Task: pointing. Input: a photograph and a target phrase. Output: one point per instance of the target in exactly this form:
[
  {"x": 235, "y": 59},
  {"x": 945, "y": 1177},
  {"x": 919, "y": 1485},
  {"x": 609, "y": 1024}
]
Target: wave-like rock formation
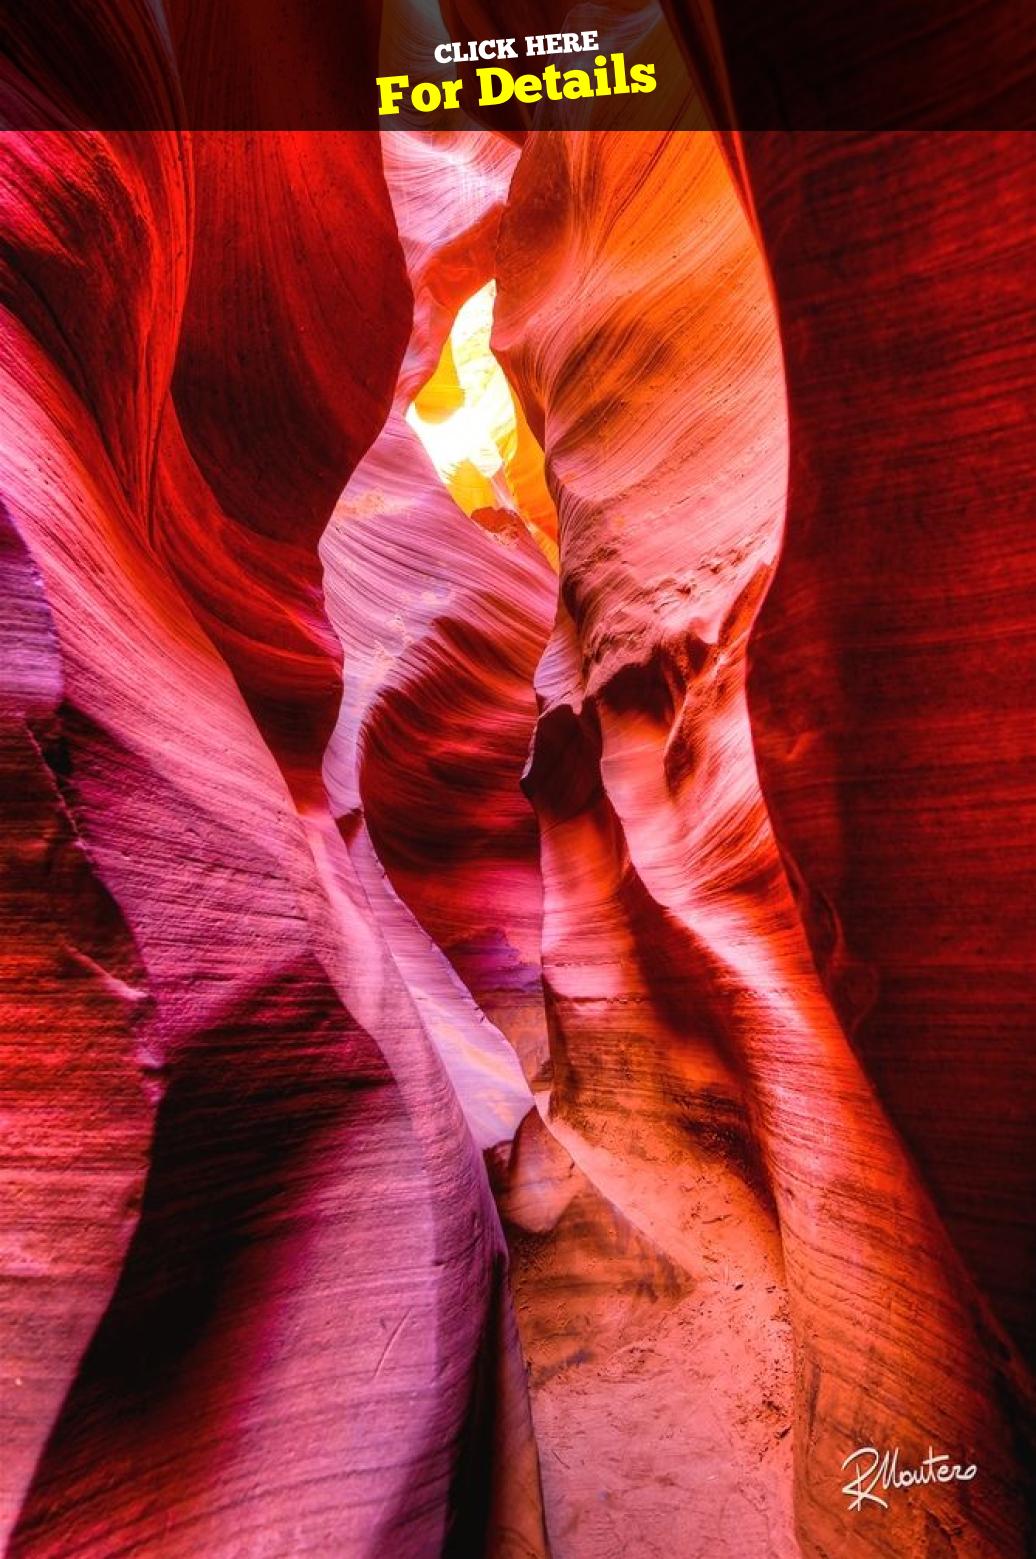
[
  {"x": 891, "y": 685},
  {"x": 659, "y": 858},
  {"x": 517, "y": 804},
  {"x": 205, "y": 1168}
]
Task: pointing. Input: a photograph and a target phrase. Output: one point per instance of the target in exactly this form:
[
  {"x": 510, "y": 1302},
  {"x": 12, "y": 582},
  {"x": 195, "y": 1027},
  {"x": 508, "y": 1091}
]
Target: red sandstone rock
[
  {"x": 289, "y": 949},
  {"x": 237, "y": 986},
  {"x": 893, "y": 671},
  {"x": 683, "y": 996}
]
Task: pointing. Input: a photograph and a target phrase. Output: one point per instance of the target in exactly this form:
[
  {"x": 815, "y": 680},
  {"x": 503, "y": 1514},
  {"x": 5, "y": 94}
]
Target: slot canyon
[{"x": 518, "y": 829}]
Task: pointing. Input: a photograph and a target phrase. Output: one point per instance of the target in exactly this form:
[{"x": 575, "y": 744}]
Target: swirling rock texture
[
  {"x": 514, "y": 898},
  {"x": 653, "y": 825},
  {"x": 188, "y": 1293}
]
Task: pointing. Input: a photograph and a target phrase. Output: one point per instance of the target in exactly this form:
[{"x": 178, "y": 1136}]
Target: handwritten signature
[{"x": 874, "y": 1469}]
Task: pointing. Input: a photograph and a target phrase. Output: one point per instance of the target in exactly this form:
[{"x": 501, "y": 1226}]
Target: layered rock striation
[{"x": 516, "y": 824}]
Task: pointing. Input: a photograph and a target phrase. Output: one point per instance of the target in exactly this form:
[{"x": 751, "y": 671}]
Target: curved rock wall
[
  {"x": 892, "y": 664},
  {"x": 516, "y": 1030},
  {"x": 258, "y": 1094},
  {"x": 683, "y": 998}
]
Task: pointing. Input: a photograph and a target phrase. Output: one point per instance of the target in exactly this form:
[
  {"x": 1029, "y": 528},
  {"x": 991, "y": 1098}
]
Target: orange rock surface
[{"x": 516, "y": 783}]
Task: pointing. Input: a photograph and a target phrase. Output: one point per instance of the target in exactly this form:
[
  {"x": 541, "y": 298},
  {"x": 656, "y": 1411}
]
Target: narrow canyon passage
[
  {"x": 487, "y": 1131},
  {"x": 675, "y": 1225},
  {"x": 645, "y": 1260}
]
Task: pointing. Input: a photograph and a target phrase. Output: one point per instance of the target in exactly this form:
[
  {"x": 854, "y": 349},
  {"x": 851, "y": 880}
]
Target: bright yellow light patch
[{"x": 474, "y": 433}]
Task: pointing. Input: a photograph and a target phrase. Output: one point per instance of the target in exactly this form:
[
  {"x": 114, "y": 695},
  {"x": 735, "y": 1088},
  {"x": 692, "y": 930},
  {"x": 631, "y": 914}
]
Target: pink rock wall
[{"x": 239, "y": 1135}]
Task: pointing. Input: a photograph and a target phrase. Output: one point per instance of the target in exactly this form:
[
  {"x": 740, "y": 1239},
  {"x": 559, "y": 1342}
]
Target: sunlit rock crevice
[{"x": 513, "y": 911}]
